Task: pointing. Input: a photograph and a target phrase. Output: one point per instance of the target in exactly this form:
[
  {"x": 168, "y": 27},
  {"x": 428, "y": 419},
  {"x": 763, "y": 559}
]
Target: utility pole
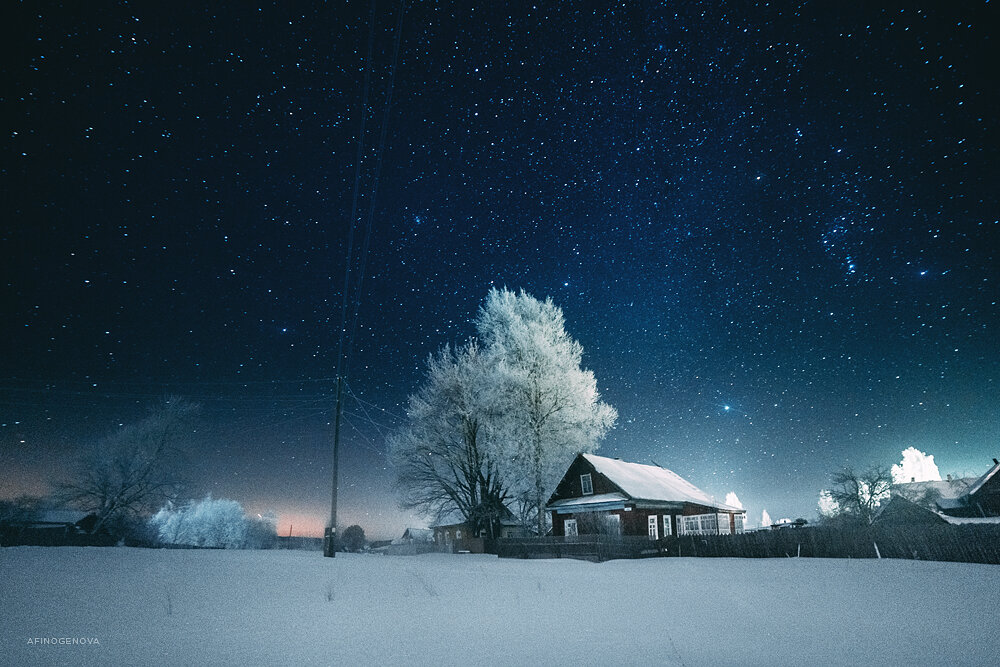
[{"x": 330, "y": 534}]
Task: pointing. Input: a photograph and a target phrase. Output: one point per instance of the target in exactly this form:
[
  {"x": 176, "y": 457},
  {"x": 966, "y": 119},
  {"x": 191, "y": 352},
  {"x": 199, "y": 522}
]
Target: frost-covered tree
[
  {"x": 916, "y": 466},
  {"x": 133, "y": 471},
  {"x": 549, "y": 407},
  {"x": 858, "y": 495},
  {"x": 205, "y": 523},
  {"x": 733, "y": 500},
  {"x": 765, "y": 519},
  {"x": 442, "y": 458},
  {"x": 828, "y": 507},
  {"x": 494, "y": 425}
]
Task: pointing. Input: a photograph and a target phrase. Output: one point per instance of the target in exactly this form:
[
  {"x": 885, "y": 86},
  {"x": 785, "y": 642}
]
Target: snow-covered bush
[{"x": 205, "y": 523}]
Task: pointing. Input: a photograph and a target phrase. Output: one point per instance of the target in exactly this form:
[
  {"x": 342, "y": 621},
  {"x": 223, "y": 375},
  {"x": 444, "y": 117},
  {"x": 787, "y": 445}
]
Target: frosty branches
[
  {"x": 442, "y": 460},
  {"x": 211, "y": 523},
  {"x": 916, "y": 466},
  {"x": 131, "y": 472},
  {"x": 550, "y": 407},
  {"x": 857, "y": 495},
  {"x": 497, "y": 424}
]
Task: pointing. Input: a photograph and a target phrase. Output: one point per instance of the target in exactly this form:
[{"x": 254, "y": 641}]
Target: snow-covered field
[{"x": 172, "y": 607}]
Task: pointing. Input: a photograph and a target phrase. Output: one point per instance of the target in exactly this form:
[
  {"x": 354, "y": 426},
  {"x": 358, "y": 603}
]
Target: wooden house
[
  {"x": 968, "y": 497},
  {"x": 982, "y": 499},
  {"x": 452, "y": 533},
  {"x": 610, "y": 496}
]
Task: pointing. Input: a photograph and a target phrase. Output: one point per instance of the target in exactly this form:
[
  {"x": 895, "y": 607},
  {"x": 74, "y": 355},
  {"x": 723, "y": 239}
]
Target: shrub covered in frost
[{"x": 207, "y": 523}]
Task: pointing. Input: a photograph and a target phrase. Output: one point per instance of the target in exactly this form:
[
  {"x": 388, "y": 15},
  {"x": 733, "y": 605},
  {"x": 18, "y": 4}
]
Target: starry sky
[{"x": 773, "y": 227}]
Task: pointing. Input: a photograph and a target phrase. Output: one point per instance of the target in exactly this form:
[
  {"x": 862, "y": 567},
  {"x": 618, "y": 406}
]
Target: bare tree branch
[{"x": 133, "y": 471}]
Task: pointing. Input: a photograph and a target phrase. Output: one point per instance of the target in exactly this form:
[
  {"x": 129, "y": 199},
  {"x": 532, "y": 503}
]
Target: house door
[
  {"x": 569, "y": 528},
  {"x": 654, "y": 527},
  {"x": 613, "y": 524}
]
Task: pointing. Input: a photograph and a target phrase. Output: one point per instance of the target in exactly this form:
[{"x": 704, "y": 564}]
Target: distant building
[
  {"x": 413, "y": 541},
  {"x": 610, "y": 496},
  {"x": 453, "y": 533},
  {"x": 54, "y": 527},
  {"x": 968, "y": 497}
]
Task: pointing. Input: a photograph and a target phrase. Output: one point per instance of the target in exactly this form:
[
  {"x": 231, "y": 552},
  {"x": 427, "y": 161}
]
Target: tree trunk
[{"x": 539, "y": 483}]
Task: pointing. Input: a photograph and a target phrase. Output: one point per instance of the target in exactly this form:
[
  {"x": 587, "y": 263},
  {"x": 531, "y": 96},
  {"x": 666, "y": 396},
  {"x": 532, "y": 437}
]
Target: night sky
[{"x": 773, "y": 227}]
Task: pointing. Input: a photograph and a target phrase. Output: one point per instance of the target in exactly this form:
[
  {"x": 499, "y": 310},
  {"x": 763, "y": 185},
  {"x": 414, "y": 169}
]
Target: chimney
[
  {"x": 949, "y": 477},
  {"x": 996, "y": 463},
  {"x": 913, "y": 479}
]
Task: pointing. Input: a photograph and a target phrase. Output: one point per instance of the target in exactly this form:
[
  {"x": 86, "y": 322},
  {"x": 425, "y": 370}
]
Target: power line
[
  {"x": 379, "y": 153},
  {"x": 344, "y": 354}
]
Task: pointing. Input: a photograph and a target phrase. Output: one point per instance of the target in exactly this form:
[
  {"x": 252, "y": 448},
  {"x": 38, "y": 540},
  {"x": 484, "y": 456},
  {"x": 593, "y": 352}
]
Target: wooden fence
[
  {"x": 587, "y": 547},
  {"x": 962, "y": 543}
]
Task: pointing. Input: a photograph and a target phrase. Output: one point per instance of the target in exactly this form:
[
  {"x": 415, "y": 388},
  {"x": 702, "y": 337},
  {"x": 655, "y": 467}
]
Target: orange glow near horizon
[
  {"x": 20, "y": 482},
  {"x": 300, "y": 525}
]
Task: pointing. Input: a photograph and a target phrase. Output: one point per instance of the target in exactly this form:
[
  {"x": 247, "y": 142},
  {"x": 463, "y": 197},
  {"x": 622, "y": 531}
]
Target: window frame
[{"x": 587, "y": 481}]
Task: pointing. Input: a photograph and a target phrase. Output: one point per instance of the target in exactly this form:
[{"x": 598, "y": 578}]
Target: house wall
[
  {"x": 636, "y": 521},
  {"x": 447, "y": 534},
  {"x": 633, "y": 522},
  {"x": 570, "y": 486}
]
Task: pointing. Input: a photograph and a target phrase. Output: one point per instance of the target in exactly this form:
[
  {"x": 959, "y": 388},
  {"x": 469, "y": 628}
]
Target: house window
[
  {"x": 458, "y": 534},
  {"x": 586, "y": 484},
  {"x": 569, "y": 528},
  {"x": 613, "y": 523},
  {"x": 654, "y": 531},
  {"x": 738, "y": 520},
  {"x": 666, "y": 525},
  {"x": 704, "y": 524}
]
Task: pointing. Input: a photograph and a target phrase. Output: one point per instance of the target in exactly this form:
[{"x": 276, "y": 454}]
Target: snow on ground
[{"x": 172, "y": 607}]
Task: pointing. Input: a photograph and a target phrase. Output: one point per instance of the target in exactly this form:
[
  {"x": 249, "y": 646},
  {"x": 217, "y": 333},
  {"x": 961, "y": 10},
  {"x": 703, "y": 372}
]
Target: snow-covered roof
[
  {"x": 593, "y": 503},
  {"x": 942, "y": 489},
  {"x": 950, "y": 503},
  {"x": 415, "y": 535},
  {"x": 978, "y": 484},
  {"x": 960, "y": 520},
  {"x": 60, "y": 517},
  {"x": 649, "y": 482}
]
